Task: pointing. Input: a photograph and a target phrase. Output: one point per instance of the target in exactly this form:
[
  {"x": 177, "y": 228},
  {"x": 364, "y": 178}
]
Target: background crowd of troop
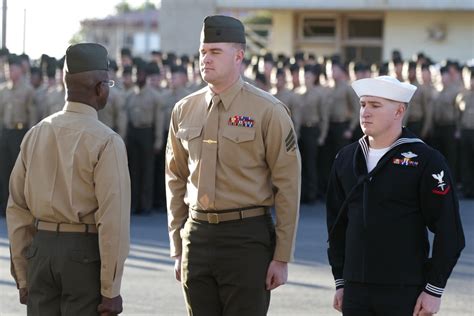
[{"x": 324, "y": 109}]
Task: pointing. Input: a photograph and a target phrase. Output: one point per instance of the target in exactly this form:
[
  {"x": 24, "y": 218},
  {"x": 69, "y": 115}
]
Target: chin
[{"x": 367, "y": 131}]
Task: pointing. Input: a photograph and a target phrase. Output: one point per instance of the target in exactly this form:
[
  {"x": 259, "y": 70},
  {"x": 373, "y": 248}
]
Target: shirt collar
[
  {"x": 406, "y": 137},
  {"x": 228, "y": 95},
  {"x": 81, "y": 108}
]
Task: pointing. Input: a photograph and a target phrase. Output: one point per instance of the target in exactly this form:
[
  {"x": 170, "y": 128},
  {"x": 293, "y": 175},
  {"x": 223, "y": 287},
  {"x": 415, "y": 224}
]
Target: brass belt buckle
[{"x": 213, "y": 218}]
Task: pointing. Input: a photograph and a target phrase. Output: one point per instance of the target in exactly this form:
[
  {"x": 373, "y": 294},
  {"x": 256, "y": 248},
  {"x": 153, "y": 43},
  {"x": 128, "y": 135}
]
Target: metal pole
[
  {"x": 4, "y": 24},
  {"x": 24, "y": 30},
  {"x": 147, "y": 30}
]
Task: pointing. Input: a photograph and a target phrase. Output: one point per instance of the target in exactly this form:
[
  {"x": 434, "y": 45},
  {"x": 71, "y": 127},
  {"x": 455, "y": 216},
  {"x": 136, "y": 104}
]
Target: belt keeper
[
  {"x": 241, "y": 213},
  {"x": 57, "y": 228},
  {"x": 87, "y": 228}
]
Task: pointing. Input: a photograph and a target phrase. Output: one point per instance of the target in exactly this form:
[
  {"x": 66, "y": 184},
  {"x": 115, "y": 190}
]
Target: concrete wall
[
  {"x": 283, "y": 33},
  {"x": 408, "y": 31},
  {"x": 181, "y": 23}
]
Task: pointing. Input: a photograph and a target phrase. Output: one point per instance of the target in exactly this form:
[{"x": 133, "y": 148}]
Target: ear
[
  {"x": 401, "y": 110},
  {"x": 239, "y": 56},
  {"x": 98, "y": 89}
]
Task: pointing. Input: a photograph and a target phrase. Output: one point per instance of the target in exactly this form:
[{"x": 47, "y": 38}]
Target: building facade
[
  {"x": 136, "y": 30},
  {"x": 356, "y": 29}
]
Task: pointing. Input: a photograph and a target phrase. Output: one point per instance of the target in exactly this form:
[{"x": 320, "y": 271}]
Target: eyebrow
[
  {"x": 212, "y": 50},
  {"x": 372, "y": 102}
]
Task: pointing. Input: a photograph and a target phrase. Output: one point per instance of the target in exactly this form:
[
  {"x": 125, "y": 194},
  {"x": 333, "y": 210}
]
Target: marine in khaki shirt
[
  {"x": 445, "y": 110},
  {"x": 420, "y": 110},
  {"x": 16, "y": 105},
  {"x": 114, "y": 114},
  {"x": 70, "y": 192},
  {"x": 231, "y": 155},
  {"x": 143, "y": 107},
  {"x": 60, "y": 188},
  {"x": 54, "y": 100},
  {"x": 289, "y": 98},
  {"x": 344, "y": 106},
  {"x": 17, "y": 114},
  {"x": 247, "y": 157},
  {"x": 314, "y": 111}
]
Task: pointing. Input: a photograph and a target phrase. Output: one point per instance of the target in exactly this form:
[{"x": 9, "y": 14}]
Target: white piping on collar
[{"x": 404, "y": 140}]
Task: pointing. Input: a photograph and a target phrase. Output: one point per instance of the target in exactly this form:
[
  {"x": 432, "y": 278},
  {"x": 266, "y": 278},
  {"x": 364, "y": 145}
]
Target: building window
[
  {"x": 366, "y": 53},
  {"x": 319, "y": 27},
  {"x": 362, "y": 38},
  {"x": 358, "y": 28}
]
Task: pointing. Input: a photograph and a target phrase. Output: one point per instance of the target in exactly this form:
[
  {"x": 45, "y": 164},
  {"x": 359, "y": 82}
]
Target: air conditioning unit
[{"x": 437, "y": 32}]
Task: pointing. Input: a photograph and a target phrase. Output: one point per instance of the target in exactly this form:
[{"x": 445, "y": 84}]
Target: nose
[
  {"x": 205, "y": 59},
  {"x": 364, "y": 112}
]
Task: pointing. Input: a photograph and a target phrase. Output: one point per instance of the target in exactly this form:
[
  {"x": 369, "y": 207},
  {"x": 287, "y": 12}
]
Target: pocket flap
[
  {"x": 188, "y": 133},
  {"x": 30, "y": 252},
  {"x": 239, "y": 135}
]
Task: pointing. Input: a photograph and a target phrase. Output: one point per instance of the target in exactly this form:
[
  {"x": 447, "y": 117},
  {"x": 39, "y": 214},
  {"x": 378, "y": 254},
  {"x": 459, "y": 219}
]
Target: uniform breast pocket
[
  {"x": 191, "y": 140},
  {"x": 239, "y": 136},
  {"x": 237, "y": 144}
]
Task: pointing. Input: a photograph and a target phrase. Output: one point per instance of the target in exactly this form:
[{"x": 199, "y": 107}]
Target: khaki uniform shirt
[
  {"x": 80, "y": 177},
  {"x": 255, "y": 166},
  {"x": 170, "y": 98},
  {"x": 315, "y": 109},
  {"x": 16, "y": 106},
  {"x": 420, "y": 107},
  {"x": 55, "y": 99},
  {"x": 344, "y": 105},
  {"x": 465, "y": 104},
  {"x": 294, "y": 103},
  {"x": 144, "y": 109},
  {"x": 445, "y": 110},
  {"x": 114, "y": 114},
  {"x": 39, "y": 101}
]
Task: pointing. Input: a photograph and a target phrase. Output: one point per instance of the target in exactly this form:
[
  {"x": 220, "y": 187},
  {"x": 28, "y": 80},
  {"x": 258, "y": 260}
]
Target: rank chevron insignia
[{"x": 442, "y": 188}]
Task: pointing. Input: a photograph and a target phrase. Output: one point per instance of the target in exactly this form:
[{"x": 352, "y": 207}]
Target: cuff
[
  {"x": 339, "y": 284},
  {"x": 433, "y": 290}
]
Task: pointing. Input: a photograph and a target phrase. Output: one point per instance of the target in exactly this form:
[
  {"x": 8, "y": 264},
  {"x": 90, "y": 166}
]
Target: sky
[{"x": 50, "y": 24}]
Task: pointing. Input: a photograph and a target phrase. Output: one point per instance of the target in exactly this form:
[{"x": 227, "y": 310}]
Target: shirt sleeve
[
  {"x": 121, "y": 115},
  {"x": 440, "y": 209},
  {"x": 176, "y": 174},
  {"x": 283, "y": 159},
  {"x": 337, "y": 239},
  {"x": 32, "y": 113},
  {"x": 112, "y": 188},
  {"x": 159, "y": 122},
  {"x": 324, "y": 102},
  {"x": 20, "y": 221}
]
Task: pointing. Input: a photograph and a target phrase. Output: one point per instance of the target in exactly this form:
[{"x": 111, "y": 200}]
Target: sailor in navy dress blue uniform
[{"x": 385, "y": 191}]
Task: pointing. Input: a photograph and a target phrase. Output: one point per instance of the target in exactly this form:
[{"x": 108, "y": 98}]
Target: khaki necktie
[{"x": 207, "y": 169}]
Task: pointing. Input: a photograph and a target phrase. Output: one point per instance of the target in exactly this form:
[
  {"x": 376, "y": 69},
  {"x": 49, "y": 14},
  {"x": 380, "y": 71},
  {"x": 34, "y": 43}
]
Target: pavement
[{"x": 149, "y": 287}]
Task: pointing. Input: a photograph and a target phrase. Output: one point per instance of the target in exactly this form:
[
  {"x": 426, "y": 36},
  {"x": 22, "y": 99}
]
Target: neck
[
  {"x": 219, "y": 88},
  {"x": 81, "y": 98},
  {"x": 385, "y": 140}
]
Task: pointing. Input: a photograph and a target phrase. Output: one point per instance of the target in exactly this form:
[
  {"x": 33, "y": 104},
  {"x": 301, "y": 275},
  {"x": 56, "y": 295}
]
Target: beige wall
[
  {"x": 408, "y": 31},
  {"x": 283, "y": 33}
]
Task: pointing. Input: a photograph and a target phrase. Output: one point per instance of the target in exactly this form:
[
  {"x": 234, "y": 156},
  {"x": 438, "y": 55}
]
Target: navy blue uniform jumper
[{"x": 378, "y": 221}]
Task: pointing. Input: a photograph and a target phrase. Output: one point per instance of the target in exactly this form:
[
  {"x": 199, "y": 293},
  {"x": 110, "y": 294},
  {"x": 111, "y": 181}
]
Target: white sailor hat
[{"x": 384, "y": 87}]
